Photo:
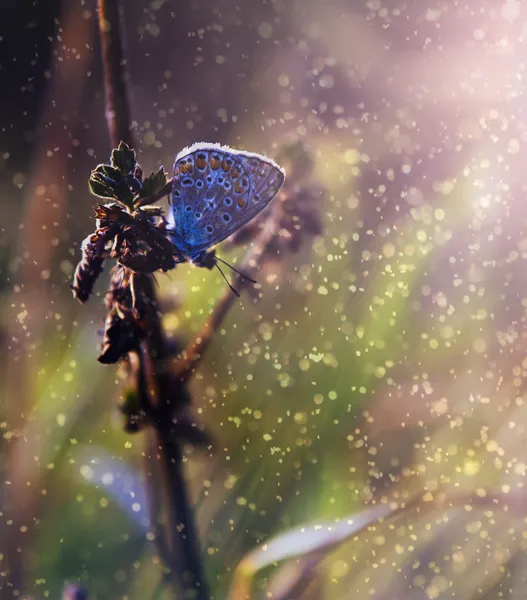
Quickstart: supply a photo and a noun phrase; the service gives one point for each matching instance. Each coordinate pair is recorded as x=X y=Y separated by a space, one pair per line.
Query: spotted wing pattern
x=217 y=190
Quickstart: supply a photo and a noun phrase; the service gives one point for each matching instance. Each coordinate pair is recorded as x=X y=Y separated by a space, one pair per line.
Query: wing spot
x=198 y=215
x=210 y=203
x=201 y=161
x=239 y=188
x=215 y=162
x=242 y=202
x=177 y=193
x=188 y=208
x=228 y=201
x=209 y=228
x=199 y=184
x=226 y=217
x=188 y=182
x=185 y=166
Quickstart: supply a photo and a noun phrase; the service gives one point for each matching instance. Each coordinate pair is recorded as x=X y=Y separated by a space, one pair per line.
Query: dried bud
x=86 y=274
x=118 y=293
x=110 y=214
x=122 y=334
x=90 y=266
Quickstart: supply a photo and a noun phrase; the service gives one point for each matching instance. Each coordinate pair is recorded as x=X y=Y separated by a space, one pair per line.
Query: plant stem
x=183 y=537
x=181 y=534
x=180 y=540
x=115 y=76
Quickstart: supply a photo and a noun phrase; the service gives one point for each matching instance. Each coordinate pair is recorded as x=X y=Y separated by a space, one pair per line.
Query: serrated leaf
x=124 y=193
x=106 y=187
x=124 y=159
x=154 y=182
x=101 y=186
x=134 y=183
x=108 y=171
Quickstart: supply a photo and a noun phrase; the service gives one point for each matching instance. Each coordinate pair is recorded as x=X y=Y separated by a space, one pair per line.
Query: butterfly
x=216 y=190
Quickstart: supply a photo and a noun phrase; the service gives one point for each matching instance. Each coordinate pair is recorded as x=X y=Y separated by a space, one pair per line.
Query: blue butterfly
x=215 y=191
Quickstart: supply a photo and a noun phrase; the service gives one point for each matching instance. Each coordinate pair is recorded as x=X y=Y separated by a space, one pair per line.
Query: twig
x=115 y=76
x=181 y=537
x=193 y=355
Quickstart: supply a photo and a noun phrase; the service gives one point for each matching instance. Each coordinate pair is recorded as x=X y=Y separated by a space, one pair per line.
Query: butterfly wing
x=217 y=190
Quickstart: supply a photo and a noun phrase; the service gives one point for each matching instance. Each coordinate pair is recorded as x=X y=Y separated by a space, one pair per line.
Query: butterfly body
x=215 y=191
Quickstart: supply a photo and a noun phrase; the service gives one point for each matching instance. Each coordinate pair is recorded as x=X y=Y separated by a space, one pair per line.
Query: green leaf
x=108 y=171
x=101 y=186
x=123 y=159
x=106 y=187
x=124 y=193
x=154 y=182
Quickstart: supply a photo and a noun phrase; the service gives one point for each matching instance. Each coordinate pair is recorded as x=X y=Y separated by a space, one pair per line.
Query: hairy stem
x=181 y=537
x=180 y=545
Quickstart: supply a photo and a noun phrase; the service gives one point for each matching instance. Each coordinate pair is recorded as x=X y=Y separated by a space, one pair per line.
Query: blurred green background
x=385 y=359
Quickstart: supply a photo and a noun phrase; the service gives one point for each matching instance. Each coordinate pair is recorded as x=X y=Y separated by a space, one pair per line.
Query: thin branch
x=115 y=76
x=187 y=365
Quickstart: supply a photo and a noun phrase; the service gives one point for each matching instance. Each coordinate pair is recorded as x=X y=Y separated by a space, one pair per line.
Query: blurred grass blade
x=311 y=544
x=303 y=541
x=294 y=576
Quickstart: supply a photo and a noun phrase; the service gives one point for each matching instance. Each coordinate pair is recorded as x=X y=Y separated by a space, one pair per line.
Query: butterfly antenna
x=227 y=281
x=242 y=275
